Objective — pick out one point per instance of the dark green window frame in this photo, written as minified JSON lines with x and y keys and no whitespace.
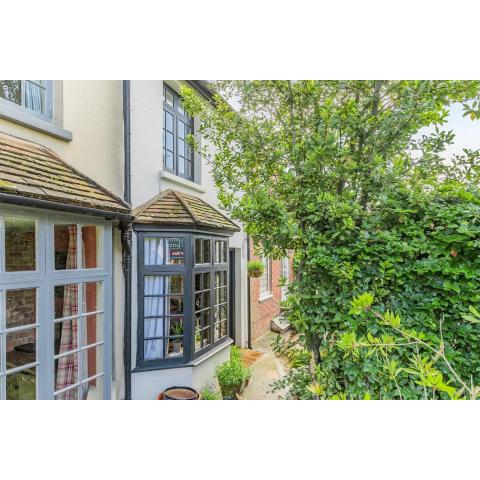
{"x":188,"y":270}
{"x":178,"y":156}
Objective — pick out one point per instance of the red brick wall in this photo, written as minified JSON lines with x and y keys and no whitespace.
{"x":264,"y":311}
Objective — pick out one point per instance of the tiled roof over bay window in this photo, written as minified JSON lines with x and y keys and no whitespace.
{"x":173,"y":208}
{"x":31,"y":171}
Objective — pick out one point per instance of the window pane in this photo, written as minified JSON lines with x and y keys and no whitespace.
{"x":66,"y":374}
{"x":220,"y":279}
{"x":19,"y":244}
{"x":22,"y":385}
{"x":180,"y":107}
{"x":181,"y":165}
{"x":91,"y":246}
{"x":154,"y":327}
{"x":92,"y":390}
{"x":65,"y":239}
{"x":66,"y":336}
{"x":206,"y":251}
{"x":35,"y":97}
{"x":181,"y":130}
{"x":169,"y":159}
{"x":169,"y":98}
{"x":66,"y":300}
{"x":153,"y":349}
{"x":92,"y":362}
{"x":175,"y":250}
{"x":21,"y":348}
{"x":11,"y":90}
{"x":198,"y":251}
{"x":92,"y":296}
{"x":92,"y":329}
{"x":169,"y":141}
{"x":220,"y":251}
{"x":21,"y":307}
{"x":175,"y":347}
{"x":153,"y":251}
{"x":181,"y":148}
{"x":205,"y":336}
{"x":188,"y":169}
{"x":175,"y":284}
{"x":174,"y":306}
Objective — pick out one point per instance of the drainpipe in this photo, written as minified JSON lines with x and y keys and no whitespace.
{"x":249,"y":306}
{"x":126,"y":236}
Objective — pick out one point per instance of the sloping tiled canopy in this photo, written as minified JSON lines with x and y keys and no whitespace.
{"x":30,"y":171}
{"x":174,"y":208}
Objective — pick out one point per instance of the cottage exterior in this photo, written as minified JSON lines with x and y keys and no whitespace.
{"x":120,"y":275}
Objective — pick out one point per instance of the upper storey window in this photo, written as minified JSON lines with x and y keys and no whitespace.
{"x":177,"y":125}
{"x":33,"y":95}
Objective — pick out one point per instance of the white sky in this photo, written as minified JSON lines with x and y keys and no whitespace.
{"x":467,"y":132}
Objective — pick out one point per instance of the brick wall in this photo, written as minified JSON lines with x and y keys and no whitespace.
{"x":264,"y":311}
{"x":21,"y":303}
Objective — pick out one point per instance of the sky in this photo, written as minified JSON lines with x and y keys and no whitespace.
{"x":467,"y":132}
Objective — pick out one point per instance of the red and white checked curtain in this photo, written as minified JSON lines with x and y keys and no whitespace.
{"x":67,"y":370}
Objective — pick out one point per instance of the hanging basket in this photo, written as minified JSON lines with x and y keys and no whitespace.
{"x":255,"y":268}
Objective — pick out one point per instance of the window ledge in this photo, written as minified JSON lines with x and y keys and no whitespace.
{"x":181,"y":181}
{"x":20,"y":117}
{"x":194,"y":363}
{"x":265,"y":297}
{"x":212,"y":352}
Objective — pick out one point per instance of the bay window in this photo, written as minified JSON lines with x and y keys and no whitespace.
{"x":55,"y":291}
{"x":183,"y":301}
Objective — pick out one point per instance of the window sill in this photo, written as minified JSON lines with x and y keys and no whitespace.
{"x":194,"y":363}
{"x":263,"y":298}
{"x":170,"y":177}
{"x":20,"y":117}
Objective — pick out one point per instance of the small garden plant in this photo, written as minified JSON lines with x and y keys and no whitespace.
{"x":209,"y":393}
{"x":255,"y":268}
{"x":232,"y":375}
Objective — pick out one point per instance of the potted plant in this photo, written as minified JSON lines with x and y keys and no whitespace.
{"x":177,"y":342}
{"x":255,"y":268}
{"x":232,"y":376}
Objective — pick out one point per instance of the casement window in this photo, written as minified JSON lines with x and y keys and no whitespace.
{"x":177,"y":126}
{"x":32,"y":95}
{"x":266,"y":279}
{"x":55,"y":307}
{"x":183,"y":300}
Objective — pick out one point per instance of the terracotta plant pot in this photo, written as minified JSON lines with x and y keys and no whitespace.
{"x":179,"y":393}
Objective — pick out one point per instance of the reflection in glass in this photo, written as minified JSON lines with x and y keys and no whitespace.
{"x":65,"y":244}
{"x":21,"y":307}
{"x":22,"y":385}
{"x":20,"y":250}
{"x":91,"y":246}
{"x":21,"y":348}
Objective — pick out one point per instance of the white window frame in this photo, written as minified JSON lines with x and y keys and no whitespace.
{"x":265,"y":287}
{"x":45,"y":278}
{"x":48,"y":113}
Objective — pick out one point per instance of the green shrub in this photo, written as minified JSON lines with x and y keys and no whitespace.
{"x":418,"y":253}
{"x":232,"y":375}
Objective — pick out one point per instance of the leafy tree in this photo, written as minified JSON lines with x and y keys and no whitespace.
{"x":336,"y":171}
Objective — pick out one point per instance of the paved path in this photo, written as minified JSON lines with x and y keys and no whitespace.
{"x":265,"y":370}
